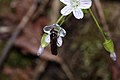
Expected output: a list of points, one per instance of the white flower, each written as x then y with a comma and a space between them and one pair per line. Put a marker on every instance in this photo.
61, 33
76, 7
113, 56
46, 37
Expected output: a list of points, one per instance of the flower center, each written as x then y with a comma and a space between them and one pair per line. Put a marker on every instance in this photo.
74, 3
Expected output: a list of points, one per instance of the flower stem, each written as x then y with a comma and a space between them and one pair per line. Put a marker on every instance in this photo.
59, 20
100, 29
62, 21
65, 19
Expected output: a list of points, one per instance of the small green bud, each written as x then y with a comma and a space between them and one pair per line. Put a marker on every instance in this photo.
43, 43
109, 46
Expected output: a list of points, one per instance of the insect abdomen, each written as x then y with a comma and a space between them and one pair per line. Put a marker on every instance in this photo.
53, 42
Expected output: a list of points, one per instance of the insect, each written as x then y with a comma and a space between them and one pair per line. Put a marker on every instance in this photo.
54, 37
53, 41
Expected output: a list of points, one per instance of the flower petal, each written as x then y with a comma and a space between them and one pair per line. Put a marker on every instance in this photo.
47, 29
113, 56
85, 4
65, 1
78, 13
56, 27
66, 10
59, 41
62, 32
47, 39
40, 51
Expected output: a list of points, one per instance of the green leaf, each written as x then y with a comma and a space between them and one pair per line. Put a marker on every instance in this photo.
109, 46
43, 43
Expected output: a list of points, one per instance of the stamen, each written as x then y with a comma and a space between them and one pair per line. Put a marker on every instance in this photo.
74, 3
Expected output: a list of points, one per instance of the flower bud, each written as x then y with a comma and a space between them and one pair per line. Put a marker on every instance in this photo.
109, 46
43, 42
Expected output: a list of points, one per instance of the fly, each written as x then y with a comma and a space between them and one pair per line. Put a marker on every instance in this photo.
53, 39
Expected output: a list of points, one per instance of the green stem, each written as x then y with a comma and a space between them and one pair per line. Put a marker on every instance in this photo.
62, 21
100, 29
65, 19
59, 19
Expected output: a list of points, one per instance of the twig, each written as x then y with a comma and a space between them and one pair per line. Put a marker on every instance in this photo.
55, 11
66, 70
5, 29
19, 28
39, 69
101, 15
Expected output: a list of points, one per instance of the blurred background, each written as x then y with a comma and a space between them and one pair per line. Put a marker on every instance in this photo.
82, 56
